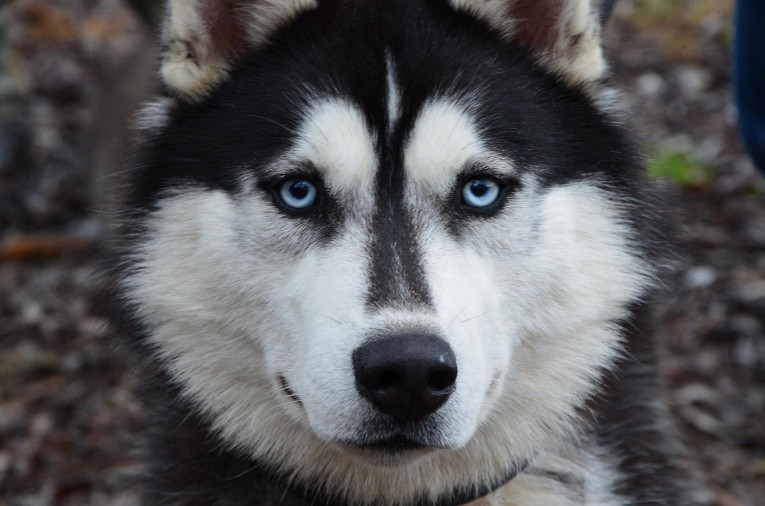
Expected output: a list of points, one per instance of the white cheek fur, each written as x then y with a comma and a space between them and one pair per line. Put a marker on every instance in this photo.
564, 301
228, 313
539, 290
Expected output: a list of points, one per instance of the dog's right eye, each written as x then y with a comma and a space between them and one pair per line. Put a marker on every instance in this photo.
297, 194
481, 193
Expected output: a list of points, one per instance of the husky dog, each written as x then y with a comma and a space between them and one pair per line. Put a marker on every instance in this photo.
392, 252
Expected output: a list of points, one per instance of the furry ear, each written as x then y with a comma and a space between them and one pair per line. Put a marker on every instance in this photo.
203, 37
564, 35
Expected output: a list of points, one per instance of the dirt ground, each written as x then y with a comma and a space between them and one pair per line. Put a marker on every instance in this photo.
71, 69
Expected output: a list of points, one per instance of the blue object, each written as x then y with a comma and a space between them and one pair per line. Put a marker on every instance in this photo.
749, 76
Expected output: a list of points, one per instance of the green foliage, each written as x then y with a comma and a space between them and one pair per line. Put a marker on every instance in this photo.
680, 167
656, 10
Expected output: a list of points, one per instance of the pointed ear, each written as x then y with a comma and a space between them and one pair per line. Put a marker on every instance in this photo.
202, 38
563, 35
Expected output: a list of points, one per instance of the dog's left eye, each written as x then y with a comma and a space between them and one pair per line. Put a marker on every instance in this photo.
481, 193
297, 193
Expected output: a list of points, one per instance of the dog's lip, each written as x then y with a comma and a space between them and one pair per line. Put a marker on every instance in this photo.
394, 444
285, 388
493, 385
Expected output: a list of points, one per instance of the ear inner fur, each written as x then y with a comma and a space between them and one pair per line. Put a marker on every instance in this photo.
204, 37
228, 34
564, 35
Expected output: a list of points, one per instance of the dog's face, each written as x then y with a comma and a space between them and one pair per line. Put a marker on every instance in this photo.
389, 243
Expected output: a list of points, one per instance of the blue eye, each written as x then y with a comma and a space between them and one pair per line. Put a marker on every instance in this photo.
481, 193
298, 193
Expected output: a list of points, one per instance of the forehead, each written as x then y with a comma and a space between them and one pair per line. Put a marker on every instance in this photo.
388, 59
335, 138
343, 71
400, 85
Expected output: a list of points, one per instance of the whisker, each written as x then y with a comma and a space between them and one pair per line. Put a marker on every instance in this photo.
477, 316
339, 322
459, 313
274, 122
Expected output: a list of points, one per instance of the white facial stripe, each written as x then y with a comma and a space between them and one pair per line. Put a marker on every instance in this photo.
335, 137
394, 95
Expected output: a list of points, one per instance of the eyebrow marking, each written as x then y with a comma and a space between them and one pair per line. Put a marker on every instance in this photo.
443, 139
335, 137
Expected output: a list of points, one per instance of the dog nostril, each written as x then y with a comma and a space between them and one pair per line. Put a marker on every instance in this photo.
443, 379
387, 380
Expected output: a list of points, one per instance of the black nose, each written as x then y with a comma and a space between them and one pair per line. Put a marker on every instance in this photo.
406, 376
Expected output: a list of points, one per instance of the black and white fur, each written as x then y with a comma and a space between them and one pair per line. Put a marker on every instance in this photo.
246, 314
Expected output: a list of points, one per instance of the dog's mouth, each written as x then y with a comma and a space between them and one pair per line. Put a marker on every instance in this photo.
286, 390
393, 445
391, 451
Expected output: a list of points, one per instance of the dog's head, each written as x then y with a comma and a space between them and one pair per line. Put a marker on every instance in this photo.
385, 245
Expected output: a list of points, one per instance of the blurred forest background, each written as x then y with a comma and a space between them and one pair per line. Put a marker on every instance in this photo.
73, 70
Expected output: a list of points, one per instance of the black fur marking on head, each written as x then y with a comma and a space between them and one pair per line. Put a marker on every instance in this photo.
339, 50
395, 270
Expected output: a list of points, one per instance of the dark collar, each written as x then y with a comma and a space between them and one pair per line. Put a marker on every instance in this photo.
458, 497
467, 495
